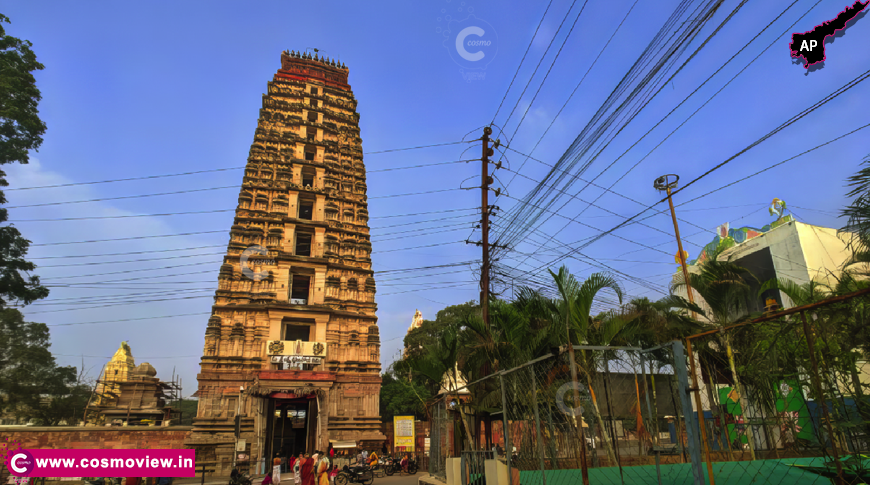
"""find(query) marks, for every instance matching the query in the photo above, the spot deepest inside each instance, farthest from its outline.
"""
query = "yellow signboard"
(403, 433)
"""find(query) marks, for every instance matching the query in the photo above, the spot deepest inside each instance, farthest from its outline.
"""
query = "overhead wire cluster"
(148, 281)
(644, 81)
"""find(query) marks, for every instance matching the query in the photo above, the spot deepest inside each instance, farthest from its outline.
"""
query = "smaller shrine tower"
(118, 370)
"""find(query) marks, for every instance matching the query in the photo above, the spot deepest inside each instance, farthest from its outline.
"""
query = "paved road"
(399, 479)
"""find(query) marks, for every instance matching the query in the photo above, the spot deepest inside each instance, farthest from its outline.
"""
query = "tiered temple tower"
(292, 345)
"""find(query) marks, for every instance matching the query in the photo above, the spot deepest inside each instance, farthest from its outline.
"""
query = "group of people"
(371, 459)
(366, 458)
(307, 469)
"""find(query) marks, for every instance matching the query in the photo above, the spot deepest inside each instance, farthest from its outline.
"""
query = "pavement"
(399, 479)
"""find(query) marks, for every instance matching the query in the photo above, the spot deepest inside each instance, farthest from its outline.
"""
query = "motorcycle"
(102, 481)
(240, 479)
(395, 466)
(358, 474)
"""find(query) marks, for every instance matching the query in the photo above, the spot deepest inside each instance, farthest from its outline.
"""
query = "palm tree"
(572, 310)
(725, 288)
(800, 295)
(657, 322)
(438, 363)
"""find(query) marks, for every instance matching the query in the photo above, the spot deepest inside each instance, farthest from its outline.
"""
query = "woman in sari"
(322, 469)
(297, 471)
(307, 470)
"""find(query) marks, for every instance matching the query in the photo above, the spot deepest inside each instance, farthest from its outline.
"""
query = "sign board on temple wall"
(297, 347)
(403, 433)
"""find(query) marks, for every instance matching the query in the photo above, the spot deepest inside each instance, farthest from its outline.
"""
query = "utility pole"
(666, 183)
(486, 180)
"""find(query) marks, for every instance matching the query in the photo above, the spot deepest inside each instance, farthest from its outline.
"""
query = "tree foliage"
(21, 129)
(32, 385)
(428, 333)
(401, 396)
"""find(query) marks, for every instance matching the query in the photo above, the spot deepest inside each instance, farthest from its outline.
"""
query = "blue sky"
(133, 89)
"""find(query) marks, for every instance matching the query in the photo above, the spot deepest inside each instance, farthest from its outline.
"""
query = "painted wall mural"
(727, 237)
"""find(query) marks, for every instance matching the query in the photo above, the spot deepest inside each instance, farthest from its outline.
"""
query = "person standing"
(307, 470)
(291, 461)
(297, 471)
(276, 469)
(322, 469)
(330, 452)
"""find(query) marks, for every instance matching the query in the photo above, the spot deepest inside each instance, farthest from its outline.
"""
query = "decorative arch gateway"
(293, 330)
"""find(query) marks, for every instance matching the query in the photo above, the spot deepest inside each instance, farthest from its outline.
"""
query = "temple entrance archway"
(291, 425)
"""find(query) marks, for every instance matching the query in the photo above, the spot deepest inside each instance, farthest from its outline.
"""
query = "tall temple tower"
(292, 352)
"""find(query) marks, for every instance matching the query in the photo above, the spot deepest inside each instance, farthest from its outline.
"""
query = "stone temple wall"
(90, 437)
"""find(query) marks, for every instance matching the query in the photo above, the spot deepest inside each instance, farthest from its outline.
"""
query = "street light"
(665, 183)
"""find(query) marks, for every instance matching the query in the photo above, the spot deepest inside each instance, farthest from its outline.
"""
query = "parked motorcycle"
(358, 474)
(240, 478)
(102, 481)
(394, 465)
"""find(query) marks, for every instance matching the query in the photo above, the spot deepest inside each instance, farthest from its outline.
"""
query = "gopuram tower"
(292, 353)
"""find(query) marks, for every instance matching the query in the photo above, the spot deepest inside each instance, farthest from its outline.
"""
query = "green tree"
(32, 385)
(428, 333)
(21, 130)
(187, 408)
(858, 212)
(725, 288)
(401, 397)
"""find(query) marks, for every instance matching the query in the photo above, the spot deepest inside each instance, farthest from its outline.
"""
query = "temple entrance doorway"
(291, 426)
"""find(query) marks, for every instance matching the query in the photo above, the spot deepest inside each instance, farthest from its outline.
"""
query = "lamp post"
(665, 183)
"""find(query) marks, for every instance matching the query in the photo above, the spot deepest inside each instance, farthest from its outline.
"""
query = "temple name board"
(296, 359)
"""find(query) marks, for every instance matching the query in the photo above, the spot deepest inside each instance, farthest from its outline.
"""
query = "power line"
(417, 247)
(149, 177)
(695, 91)
(128, 238)
(414, 148)
(531, 41)
(571, 96)
(849, 85)
(124, 216)
(544, 55)
(128, 319)
(678, 40)
(417, 166)
(146, 177)
(129, 261)
(128, 253)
